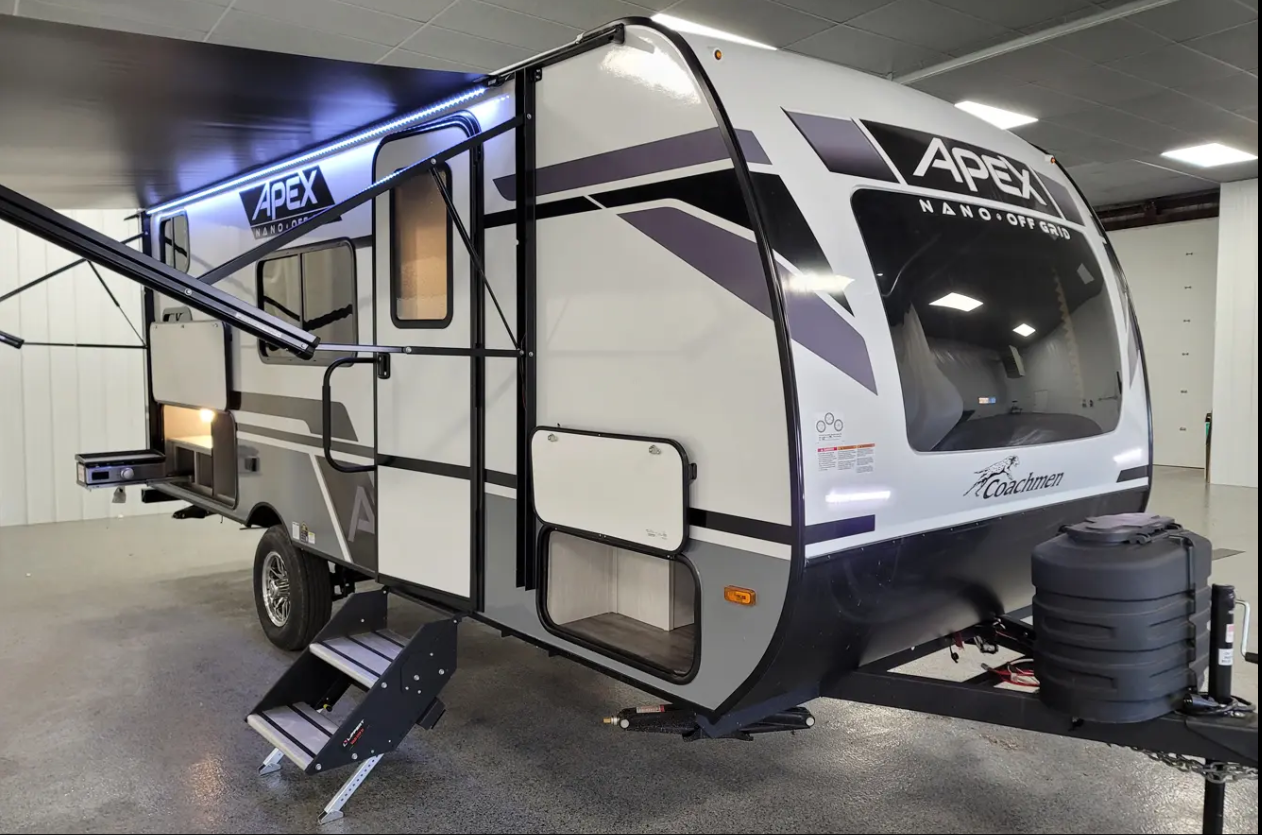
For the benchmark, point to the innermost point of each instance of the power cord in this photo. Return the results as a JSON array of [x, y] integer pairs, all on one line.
[[1202, 704]]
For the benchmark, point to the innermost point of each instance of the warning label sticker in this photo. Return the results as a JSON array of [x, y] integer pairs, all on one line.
[[828, 426], [302, 533], [856, 458]]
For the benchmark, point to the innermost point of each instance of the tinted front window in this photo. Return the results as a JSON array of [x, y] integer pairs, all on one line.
[[1001, 321]]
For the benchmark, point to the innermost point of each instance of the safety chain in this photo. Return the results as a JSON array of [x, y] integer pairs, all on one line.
[[1215, 773]]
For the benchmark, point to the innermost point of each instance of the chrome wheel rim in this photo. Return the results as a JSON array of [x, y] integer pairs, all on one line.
[[275, 589]]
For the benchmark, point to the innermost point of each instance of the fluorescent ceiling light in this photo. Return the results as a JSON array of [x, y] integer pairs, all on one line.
[[1023, 329], [1207, 156], [997, 116], [958, 302], [681, 25]]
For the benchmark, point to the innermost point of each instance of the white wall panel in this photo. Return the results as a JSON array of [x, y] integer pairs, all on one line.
[[1235, 449], [1172, 271], [56, 402]]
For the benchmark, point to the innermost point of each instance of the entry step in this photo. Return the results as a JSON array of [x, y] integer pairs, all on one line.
[[363, 657], [298, 731]]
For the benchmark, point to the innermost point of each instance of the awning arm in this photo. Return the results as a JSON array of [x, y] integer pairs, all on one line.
[[54, 273], [56, 228], [11, 340]]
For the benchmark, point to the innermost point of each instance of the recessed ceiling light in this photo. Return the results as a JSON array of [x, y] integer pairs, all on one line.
[[1023, 329], [1207, 156], [681, 25], [958, 302], [997, 116]]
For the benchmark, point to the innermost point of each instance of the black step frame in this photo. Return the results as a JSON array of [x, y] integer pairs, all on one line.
[[406, 694]]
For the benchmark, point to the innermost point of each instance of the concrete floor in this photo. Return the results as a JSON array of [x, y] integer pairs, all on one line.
[[131, 654]]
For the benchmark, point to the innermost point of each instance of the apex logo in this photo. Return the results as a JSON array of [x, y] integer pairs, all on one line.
[[286, 201], [970, 168], [948, 165]]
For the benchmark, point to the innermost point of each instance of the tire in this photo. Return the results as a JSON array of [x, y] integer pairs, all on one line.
[[293, 591]]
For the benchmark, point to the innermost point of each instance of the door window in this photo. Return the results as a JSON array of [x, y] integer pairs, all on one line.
[[420, 280]]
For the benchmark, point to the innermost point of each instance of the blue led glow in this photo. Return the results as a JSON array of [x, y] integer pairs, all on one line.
[[324, 150]]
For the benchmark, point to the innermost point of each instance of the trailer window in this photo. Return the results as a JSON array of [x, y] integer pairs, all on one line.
[[313, 289], [1002, 323], [173, 240], [420, 238]]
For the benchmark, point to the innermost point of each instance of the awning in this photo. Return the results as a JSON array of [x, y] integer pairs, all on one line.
[[93, 118]]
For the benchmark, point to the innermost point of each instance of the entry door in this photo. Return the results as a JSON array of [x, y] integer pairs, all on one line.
[[424, 406]]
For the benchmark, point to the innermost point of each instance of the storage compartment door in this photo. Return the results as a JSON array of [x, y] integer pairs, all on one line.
[[189, 364], [623, 489]]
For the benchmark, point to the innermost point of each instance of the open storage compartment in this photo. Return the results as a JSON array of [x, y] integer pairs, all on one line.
[[201, 451], [637, 606]]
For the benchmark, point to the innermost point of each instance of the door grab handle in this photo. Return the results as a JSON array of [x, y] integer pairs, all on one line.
[[326, 415]]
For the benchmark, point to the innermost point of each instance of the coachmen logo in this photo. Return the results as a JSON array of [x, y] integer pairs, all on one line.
[[946, 164], [998, 480], [282, 203]]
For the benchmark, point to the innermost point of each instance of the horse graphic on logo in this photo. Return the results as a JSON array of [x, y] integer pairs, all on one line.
[[998, 469]]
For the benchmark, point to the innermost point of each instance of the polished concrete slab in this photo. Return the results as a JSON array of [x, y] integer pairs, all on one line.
[[130, 654]]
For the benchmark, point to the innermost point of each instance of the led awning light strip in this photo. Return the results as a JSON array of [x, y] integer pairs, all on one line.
[[322, 151]]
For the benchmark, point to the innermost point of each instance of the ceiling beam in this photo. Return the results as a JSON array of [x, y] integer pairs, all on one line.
[[1030, 40]]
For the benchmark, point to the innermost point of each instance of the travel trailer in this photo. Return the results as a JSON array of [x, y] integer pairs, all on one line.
[[730, 373]]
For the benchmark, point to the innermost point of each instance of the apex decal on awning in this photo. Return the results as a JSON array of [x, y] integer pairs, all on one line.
[[286, 201]]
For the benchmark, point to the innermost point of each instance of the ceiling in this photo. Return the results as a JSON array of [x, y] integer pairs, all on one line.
[[1109, 99]]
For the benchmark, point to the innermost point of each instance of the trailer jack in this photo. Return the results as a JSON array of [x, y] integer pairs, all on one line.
[[669, 719]]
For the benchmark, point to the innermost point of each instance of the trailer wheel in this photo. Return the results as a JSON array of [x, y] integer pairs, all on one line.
[[293, 591]]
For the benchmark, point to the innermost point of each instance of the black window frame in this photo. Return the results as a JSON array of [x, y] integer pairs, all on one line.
[[169, 247], [443, 171], [281, 356]]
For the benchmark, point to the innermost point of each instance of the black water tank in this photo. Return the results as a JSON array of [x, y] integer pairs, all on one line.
[[1121, 617]]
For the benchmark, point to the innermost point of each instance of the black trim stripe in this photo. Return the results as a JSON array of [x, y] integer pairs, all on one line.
[[422, 465], [740, 525], [306, 440], [556, 208], [1133, 473], [839, 529], [443, 468], [773, 532], [697, 517], [501, 479]]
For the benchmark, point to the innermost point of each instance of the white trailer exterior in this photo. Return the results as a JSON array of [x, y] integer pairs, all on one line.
[[746, 399]]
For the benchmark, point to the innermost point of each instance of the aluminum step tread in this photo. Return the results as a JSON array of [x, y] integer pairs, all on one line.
[[363, 656], [298, 730]]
